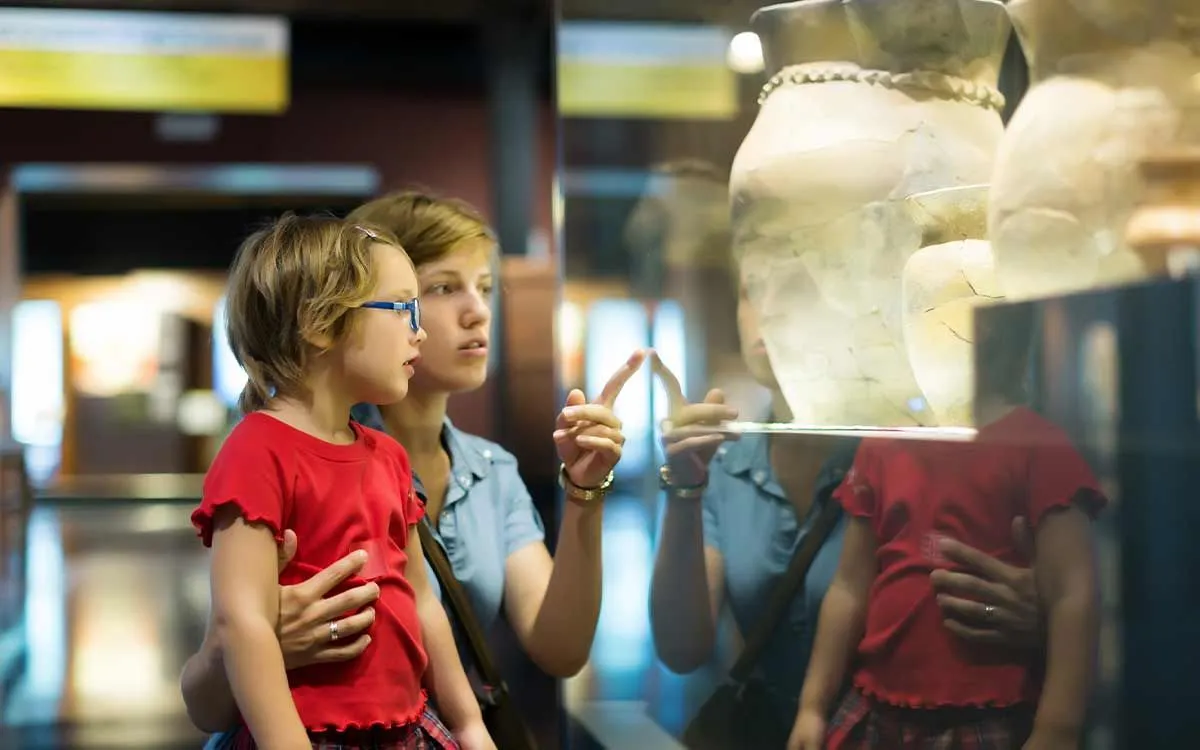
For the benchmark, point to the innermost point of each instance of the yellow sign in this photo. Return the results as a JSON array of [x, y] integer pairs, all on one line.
[[662, 71], [142, 61]]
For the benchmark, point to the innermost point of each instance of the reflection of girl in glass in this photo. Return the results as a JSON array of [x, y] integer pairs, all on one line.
[[913, 685], [737, 512]]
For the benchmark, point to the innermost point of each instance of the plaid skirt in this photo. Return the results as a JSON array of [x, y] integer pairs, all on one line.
[[427, 733], [864, 724]]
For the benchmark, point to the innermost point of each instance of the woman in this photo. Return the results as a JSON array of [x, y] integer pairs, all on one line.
[[760, 495], [479, 506]]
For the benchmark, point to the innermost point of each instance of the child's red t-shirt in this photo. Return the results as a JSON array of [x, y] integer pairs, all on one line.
[[915, 493], [337, 498]]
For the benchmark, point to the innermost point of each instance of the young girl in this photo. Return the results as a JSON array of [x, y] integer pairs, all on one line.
[[324, 314], [914, 685]]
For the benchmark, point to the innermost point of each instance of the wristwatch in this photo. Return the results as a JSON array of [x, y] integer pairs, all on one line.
[[583, 494], [666, 481]]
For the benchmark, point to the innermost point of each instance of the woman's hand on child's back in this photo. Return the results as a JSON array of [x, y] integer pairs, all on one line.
[[306, 627], [988, 601], [808, 733]]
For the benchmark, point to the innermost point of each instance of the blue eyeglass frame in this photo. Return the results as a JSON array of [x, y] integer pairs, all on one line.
[[412, 306]]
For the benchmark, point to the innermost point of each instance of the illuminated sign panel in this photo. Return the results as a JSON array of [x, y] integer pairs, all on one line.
[[76, 59]]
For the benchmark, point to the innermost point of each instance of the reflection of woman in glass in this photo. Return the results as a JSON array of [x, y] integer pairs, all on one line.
[[758, 498], [913, 685], [481, 510]]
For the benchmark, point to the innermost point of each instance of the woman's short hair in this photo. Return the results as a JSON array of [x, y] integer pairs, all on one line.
[[427, 226], [292, 286]]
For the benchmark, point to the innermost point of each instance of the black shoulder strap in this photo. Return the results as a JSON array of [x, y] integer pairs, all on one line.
[[456, 597], [786, 590]]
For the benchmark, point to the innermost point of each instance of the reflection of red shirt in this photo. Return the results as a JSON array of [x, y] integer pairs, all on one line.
[[914, 493], [337, 498]]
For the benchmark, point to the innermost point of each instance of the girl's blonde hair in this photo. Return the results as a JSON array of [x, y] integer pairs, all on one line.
[[291, 288], [426, 225]]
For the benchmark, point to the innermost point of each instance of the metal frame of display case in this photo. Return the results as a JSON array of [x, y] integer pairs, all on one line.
[[1118, 369]]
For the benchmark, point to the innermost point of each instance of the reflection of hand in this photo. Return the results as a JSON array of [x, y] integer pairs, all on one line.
[[305, 614], [808, 733], [588, 436], [991, 602], [688, 440]]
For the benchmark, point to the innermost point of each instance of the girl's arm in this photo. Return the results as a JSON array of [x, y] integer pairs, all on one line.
[[1067, 584], [444, 677], [839, 629], [245, 595]]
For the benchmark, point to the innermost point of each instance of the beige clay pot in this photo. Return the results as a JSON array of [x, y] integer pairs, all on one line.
[[943, 283], [869, 103], [1110, 78]]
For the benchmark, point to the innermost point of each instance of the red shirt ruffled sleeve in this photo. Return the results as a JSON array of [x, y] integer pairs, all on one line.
[[1058, 475], [249, 474], [859, 491]]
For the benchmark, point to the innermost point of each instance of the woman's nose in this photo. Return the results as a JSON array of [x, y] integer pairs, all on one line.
[[479, 310]]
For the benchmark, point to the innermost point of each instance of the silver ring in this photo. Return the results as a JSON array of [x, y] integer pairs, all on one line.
[[333, 631], [988, 611]]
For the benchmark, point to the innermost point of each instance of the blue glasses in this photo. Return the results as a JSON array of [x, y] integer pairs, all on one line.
[[412, 307]]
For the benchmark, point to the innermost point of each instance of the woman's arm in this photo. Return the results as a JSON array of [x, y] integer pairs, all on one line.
[[303, 630], [444, 677], [1066, 574], [688, 583], [839, 629], [206, 691], [245, 592], [553, 605], [686, 590]]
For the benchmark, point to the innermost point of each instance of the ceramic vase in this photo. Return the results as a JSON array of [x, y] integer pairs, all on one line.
[[868, 103], [1109, 81], [942, 284]]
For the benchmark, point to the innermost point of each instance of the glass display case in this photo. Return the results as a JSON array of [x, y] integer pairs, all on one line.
[[809, 211]]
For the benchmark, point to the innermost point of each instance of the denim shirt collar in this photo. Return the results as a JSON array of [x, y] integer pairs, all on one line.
[[465, 453], [749, 458]]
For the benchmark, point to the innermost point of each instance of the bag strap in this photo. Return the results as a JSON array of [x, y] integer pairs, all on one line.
[[786, 590], [456, 596]]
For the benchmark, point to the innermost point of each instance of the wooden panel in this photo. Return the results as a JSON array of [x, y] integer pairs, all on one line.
[[531, 390], [10, 290]]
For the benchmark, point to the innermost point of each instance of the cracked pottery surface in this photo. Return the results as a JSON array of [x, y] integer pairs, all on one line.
[[1110, 81], [942, 284], [869, 103]]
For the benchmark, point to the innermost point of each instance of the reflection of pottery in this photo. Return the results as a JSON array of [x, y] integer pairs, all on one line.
[[678, 236], [869, 102], [1164, 231], [943, 282], [1109, 78]]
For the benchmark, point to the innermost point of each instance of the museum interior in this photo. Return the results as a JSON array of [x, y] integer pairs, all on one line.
[[916, 281]]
